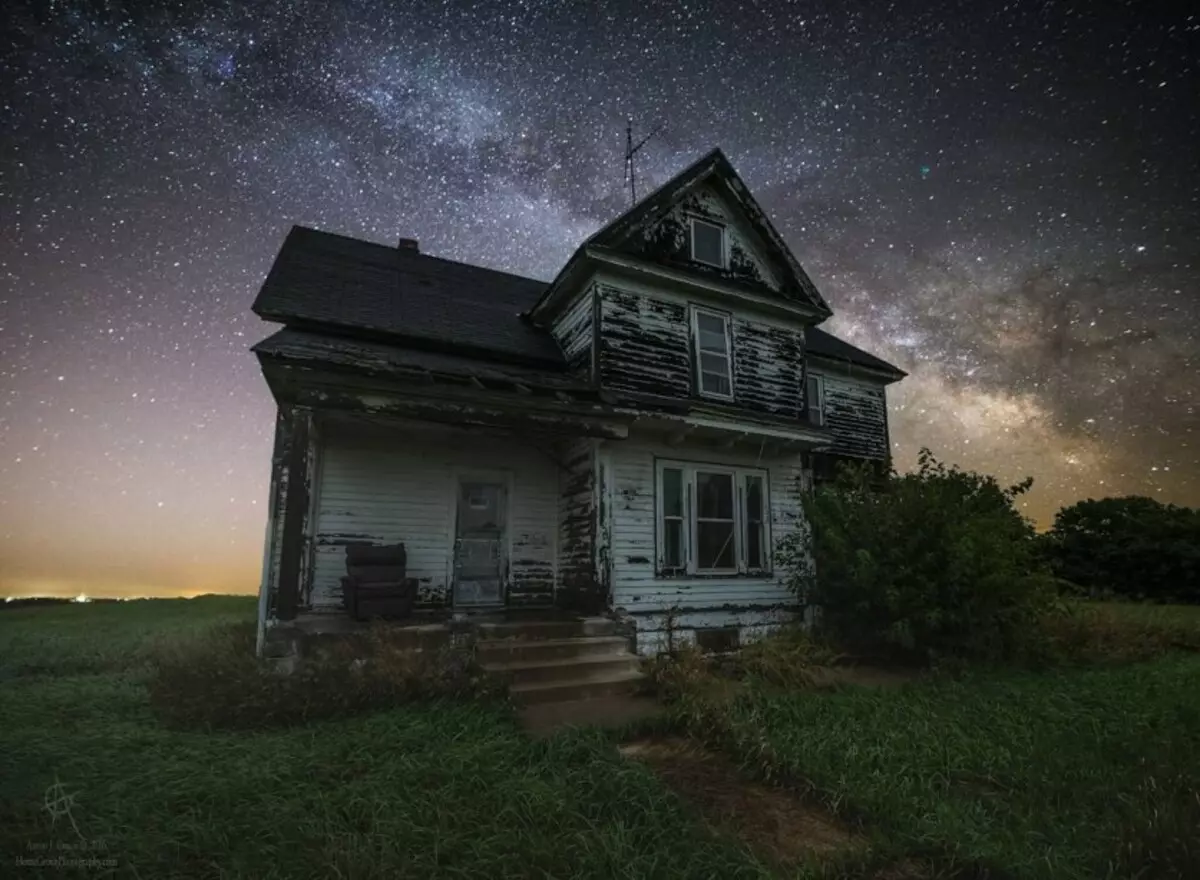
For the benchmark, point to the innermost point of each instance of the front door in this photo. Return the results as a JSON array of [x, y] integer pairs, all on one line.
[[480, 543]]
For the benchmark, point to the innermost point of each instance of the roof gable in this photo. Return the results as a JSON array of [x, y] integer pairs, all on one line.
[[657, 229]]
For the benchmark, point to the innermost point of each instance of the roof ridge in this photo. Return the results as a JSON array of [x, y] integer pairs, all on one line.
[[391, 249]]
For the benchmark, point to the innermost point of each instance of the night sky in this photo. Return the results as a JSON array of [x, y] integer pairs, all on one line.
[[1004, 200]]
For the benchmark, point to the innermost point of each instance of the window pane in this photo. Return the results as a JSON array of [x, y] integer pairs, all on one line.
[[710, 332], [715, 548], [755, 531], [717, 364], [715, 383], [673, 543], [754, 499], [754, 544], [714, 496], [672, 500], [708, 243]]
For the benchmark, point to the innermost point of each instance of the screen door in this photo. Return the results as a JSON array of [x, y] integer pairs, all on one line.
[[480, 543]]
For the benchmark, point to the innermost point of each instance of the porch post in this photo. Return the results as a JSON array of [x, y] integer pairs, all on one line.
[[292, 470]]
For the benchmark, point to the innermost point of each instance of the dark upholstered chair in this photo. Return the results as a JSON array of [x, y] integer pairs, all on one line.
[[376, 584]]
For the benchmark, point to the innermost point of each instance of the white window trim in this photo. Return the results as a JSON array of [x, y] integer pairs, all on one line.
[[727, 321], [819, 409], [692, 221], [690, 520]]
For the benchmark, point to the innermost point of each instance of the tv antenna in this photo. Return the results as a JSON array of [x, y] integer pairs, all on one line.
[[630, 150]]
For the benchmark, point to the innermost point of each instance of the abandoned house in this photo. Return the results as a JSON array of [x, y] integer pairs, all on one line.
[[626, 442]]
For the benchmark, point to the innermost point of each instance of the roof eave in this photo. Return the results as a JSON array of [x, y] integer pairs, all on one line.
[[887, 376], [421, 343]]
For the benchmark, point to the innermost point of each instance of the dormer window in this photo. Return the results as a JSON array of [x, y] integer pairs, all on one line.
[[708, 243]]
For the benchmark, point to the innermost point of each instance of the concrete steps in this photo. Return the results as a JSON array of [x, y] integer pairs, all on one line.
[[529, 650], [609, 685], [529, 630], [584, 668], [550, 661]]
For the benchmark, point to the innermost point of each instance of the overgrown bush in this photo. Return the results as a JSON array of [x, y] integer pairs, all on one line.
[[214, 680], [1132, 547], [679, 673], [929, 565], [785, 658]]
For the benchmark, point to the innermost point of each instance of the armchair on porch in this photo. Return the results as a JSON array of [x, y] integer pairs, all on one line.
[[375, 584]]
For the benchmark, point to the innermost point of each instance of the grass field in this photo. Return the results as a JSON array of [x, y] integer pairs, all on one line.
[[435, 790], [1038, 775], [1184, 617], [1086, 773]]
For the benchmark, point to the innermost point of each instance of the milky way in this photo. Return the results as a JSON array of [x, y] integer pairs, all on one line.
[[1004, 202]]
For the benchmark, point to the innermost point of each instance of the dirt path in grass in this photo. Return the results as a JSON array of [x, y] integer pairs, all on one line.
[[776, 826]]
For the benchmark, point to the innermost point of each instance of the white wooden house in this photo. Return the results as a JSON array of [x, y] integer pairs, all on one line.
[[628, 440]]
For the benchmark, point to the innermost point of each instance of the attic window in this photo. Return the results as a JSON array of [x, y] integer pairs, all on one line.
[[708, 243]]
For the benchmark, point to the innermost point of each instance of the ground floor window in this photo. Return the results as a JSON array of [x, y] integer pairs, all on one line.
[[711, 519]]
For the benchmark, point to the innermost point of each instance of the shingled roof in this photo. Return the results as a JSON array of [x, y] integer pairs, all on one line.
[[404, 298], [412, 298], [821, 342]]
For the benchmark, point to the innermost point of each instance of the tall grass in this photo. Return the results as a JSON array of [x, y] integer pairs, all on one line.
[[444, 788], [1072, 774]]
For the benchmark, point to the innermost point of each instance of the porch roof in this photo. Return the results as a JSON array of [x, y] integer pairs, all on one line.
[[378, 358]]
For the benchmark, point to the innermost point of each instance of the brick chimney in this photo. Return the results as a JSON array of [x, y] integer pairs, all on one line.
[[409, 244]]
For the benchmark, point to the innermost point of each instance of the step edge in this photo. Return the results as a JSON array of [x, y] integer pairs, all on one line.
[[509, 647], [559, 662], [536, 686]]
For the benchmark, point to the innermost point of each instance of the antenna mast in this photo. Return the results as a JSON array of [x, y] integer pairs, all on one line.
[[630, 149]]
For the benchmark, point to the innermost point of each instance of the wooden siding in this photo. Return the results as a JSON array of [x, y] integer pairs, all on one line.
[[768, 368], [645, 344], [293, 468], [635, 587], [573, 331], [646, 347], [385, 486], [667, 239], [856, 413], [577, 523], [276, 509]]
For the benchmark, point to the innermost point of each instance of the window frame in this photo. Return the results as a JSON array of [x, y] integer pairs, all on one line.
[[720, 227], [690, 530], [819, 409], [660, 521], [697, 365]]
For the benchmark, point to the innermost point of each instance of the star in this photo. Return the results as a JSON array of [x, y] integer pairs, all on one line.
[[1040, 288]]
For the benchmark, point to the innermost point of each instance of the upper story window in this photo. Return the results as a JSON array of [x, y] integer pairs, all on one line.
[[815, 394], [708, 243], [713, 352]]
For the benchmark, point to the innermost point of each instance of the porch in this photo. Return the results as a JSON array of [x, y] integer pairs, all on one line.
[[493, 517], [546, 655]]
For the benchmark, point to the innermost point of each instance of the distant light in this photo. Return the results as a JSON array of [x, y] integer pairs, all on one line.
[[1141, 248], [82, 597]]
